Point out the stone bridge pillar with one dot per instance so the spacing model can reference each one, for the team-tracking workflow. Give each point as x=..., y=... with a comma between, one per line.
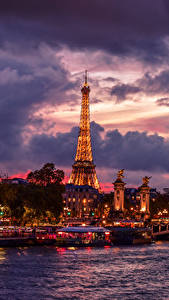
x=119, y=187
x=144, y=191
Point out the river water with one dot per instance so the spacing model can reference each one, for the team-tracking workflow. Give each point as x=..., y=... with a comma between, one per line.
x=35, y=273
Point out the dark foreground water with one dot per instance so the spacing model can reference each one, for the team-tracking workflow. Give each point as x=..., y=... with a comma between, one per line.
x=109, y=273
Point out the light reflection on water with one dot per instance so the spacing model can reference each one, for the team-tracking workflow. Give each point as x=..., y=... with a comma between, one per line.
x=100, y=273
x=2, y=255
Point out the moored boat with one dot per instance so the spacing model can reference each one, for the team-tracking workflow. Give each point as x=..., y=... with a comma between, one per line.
x=131, y=236
x=17, y=241
x=83, y=236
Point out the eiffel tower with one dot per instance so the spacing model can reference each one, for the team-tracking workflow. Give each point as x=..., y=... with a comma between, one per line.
x=83, y=169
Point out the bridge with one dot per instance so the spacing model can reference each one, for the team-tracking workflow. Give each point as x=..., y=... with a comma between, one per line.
x=160, y=231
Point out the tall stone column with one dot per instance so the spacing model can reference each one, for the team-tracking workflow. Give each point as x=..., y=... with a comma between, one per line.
x=144, y=191
x=119, y=187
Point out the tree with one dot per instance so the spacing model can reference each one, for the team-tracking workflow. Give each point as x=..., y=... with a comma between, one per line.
x=36, y=201
x=45, y=192
x=47, y=175
x=43, y=202
x=12, y=198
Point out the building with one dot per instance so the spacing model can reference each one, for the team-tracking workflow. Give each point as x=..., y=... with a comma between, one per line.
x=14, y=181
x=82, y=201
x=83, y=191
x=133, y=196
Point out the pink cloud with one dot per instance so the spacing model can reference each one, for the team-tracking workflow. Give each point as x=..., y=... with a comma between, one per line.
x=158, y=124
x=20, y=175
x=106, y=187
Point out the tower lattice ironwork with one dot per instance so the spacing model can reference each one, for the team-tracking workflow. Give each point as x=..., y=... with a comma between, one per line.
x=83, y=169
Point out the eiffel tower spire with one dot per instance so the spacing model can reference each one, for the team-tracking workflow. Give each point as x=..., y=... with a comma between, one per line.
x=85, y=77
x=83, y=169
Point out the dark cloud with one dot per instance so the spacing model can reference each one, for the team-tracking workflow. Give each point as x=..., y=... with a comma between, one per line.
x=32, y=76
x=155, y=83
x=59, y=149
x=149, y=84
x=95, y=100
x=110, y=79
x=163, y=101
x=122, y=28
x=122, y=91
x=133, y=151
x=27, y=85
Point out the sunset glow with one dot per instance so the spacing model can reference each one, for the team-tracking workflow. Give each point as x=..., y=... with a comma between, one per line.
x=128, y=76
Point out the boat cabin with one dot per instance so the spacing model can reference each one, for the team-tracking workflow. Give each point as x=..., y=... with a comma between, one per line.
x=83, y=236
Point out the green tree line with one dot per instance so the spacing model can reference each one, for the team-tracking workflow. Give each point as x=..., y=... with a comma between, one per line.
x=38, y=201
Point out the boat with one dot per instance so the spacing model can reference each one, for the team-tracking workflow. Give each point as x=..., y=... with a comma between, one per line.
x=17, y=241
x=13, y=236
x=131, y=236
x=21, y=236
x=83, y=236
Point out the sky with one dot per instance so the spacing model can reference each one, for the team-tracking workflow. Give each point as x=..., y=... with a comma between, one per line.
x=45, y=46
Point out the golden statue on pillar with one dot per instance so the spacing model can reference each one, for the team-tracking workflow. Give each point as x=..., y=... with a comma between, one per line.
x=120, y=174
x=146, y=180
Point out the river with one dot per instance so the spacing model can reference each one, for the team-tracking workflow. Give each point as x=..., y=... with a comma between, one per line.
x=123, y=273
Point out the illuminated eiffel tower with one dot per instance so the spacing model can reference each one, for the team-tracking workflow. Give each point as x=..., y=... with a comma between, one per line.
x=83, y=169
